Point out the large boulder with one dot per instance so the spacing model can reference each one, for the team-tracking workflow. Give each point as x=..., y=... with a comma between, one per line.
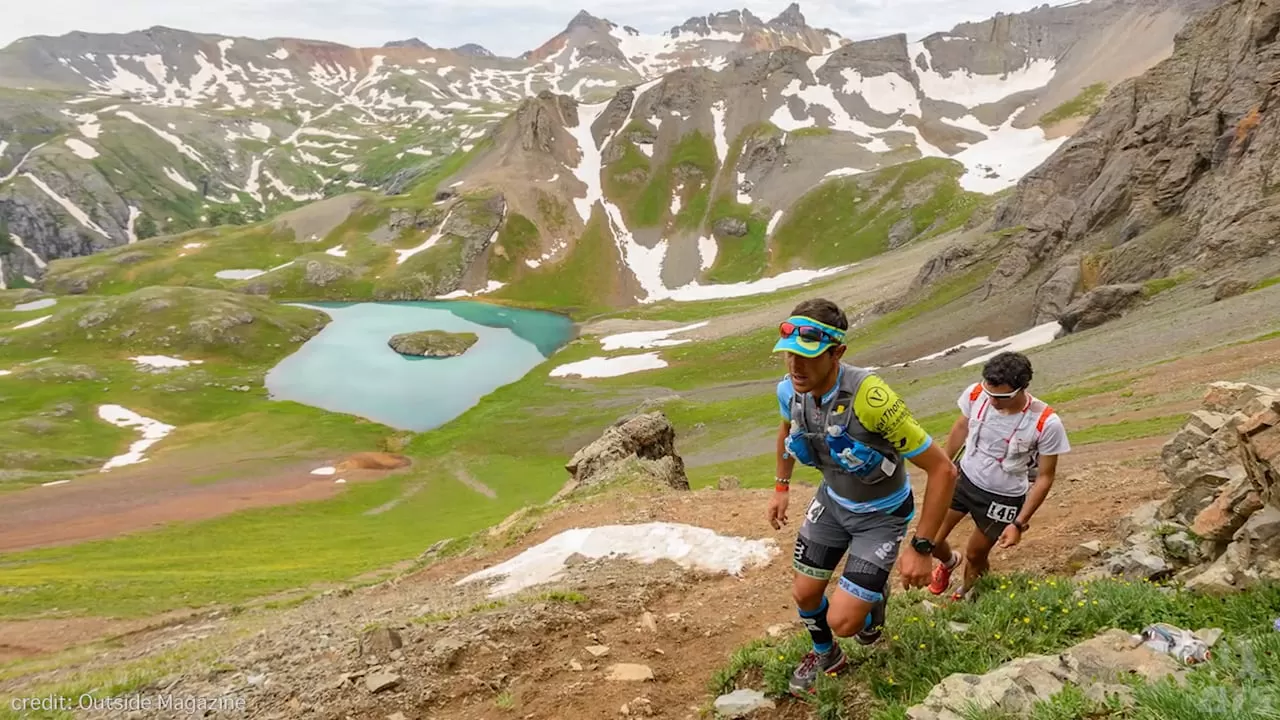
x=644, y=444
x=1099, y=305
x=1055, y=295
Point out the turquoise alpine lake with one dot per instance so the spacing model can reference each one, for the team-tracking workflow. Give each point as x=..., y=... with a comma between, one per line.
x=349, y=368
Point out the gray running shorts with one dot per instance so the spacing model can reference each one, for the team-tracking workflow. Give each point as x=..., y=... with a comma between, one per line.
x=871, y=540
x=991, y=513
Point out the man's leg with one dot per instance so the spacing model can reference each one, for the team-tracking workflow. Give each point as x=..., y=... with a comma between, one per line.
x=858, y=607
x=976, y=559
x=991, y=514
x=948, y=558
x=819, y=546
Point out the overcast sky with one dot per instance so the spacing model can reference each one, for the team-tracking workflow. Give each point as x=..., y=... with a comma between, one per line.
x=507, y=27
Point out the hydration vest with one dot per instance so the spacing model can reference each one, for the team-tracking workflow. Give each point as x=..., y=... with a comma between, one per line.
x=856, y=464
x=1030, y=458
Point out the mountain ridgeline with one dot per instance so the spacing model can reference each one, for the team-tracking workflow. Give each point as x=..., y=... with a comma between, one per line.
x=726, y=149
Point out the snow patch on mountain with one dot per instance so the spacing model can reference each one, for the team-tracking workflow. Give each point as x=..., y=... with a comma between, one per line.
x=40, y=263
x=81, y=216
x=168, y=137
x=707, y=251
x=1007, y=153
x=722, y=141
x=81, y=148
x=289, y=192
x=889, y=93
x=969, y=89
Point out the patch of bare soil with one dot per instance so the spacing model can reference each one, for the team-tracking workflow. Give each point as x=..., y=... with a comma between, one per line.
x=460, y=658
x=312, y=222
x=157, y=493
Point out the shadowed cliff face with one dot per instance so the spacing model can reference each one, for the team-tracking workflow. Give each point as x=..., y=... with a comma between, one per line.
x=1179, y=166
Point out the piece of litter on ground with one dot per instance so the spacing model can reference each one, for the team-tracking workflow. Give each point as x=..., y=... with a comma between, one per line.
x=324, y=471
x=55, y=482
x=686, y=545
x=1174, y=641
x=5, y=372
x=339, y=481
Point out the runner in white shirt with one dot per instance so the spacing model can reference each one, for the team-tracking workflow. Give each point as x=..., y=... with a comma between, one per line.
x=1009, y=436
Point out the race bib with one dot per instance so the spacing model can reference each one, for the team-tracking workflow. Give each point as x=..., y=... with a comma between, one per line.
x=814, y=511
x=1002, y=513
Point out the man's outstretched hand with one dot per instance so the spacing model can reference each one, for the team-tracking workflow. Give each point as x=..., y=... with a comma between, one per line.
x=1010, y=537
x=914, y=568
x=778, y=509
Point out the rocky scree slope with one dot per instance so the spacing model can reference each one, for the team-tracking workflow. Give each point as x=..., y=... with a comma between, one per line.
x=1175, y=172
x=105, y=139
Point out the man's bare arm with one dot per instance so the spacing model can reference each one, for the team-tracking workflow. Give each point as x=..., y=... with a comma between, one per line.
x=785, y=464
x=1040, y=489
x=940, y=487
x=957, y=436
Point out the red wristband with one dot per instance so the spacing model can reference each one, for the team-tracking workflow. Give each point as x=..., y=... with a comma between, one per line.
x=782, y=487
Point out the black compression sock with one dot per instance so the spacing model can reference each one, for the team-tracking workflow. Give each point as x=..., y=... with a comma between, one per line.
x=819, y=630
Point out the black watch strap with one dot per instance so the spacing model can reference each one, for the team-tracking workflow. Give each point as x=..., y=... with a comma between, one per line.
x=921, y=545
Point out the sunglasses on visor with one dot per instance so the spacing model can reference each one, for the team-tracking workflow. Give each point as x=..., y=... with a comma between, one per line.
x=808, y=333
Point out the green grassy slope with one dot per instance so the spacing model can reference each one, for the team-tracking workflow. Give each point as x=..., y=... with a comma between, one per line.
x=847, y=220
x=1021, y=615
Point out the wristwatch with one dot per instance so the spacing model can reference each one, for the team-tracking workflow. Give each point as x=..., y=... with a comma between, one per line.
x=922, y=545
x=1022, y=527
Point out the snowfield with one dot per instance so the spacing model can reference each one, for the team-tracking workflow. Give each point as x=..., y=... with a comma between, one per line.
x=688, y=546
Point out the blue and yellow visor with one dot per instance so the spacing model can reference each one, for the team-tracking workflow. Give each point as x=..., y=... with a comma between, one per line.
x=807, y=337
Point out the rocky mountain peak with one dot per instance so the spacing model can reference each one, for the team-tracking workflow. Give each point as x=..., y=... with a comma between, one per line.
x=789, y=19
x=727, y=21
x=473, y=50
x=410, y=43
x=588, y=21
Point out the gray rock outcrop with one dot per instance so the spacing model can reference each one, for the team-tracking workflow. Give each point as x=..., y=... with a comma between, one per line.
x=643, y=445
x=1054, y=296
x=432, y=343
x=1100, y=666
x=1099, y=305
x=469, y=227
x=1219, y=529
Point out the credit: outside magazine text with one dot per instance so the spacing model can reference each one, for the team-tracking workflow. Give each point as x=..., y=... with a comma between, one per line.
x=190, y=704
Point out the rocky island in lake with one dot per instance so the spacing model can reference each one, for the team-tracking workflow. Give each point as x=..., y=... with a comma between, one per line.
x=432, y=343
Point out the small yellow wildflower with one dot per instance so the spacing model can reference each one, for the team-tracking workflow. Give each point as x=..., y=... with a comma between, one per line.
x=1026, y=620
x=997, y=636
